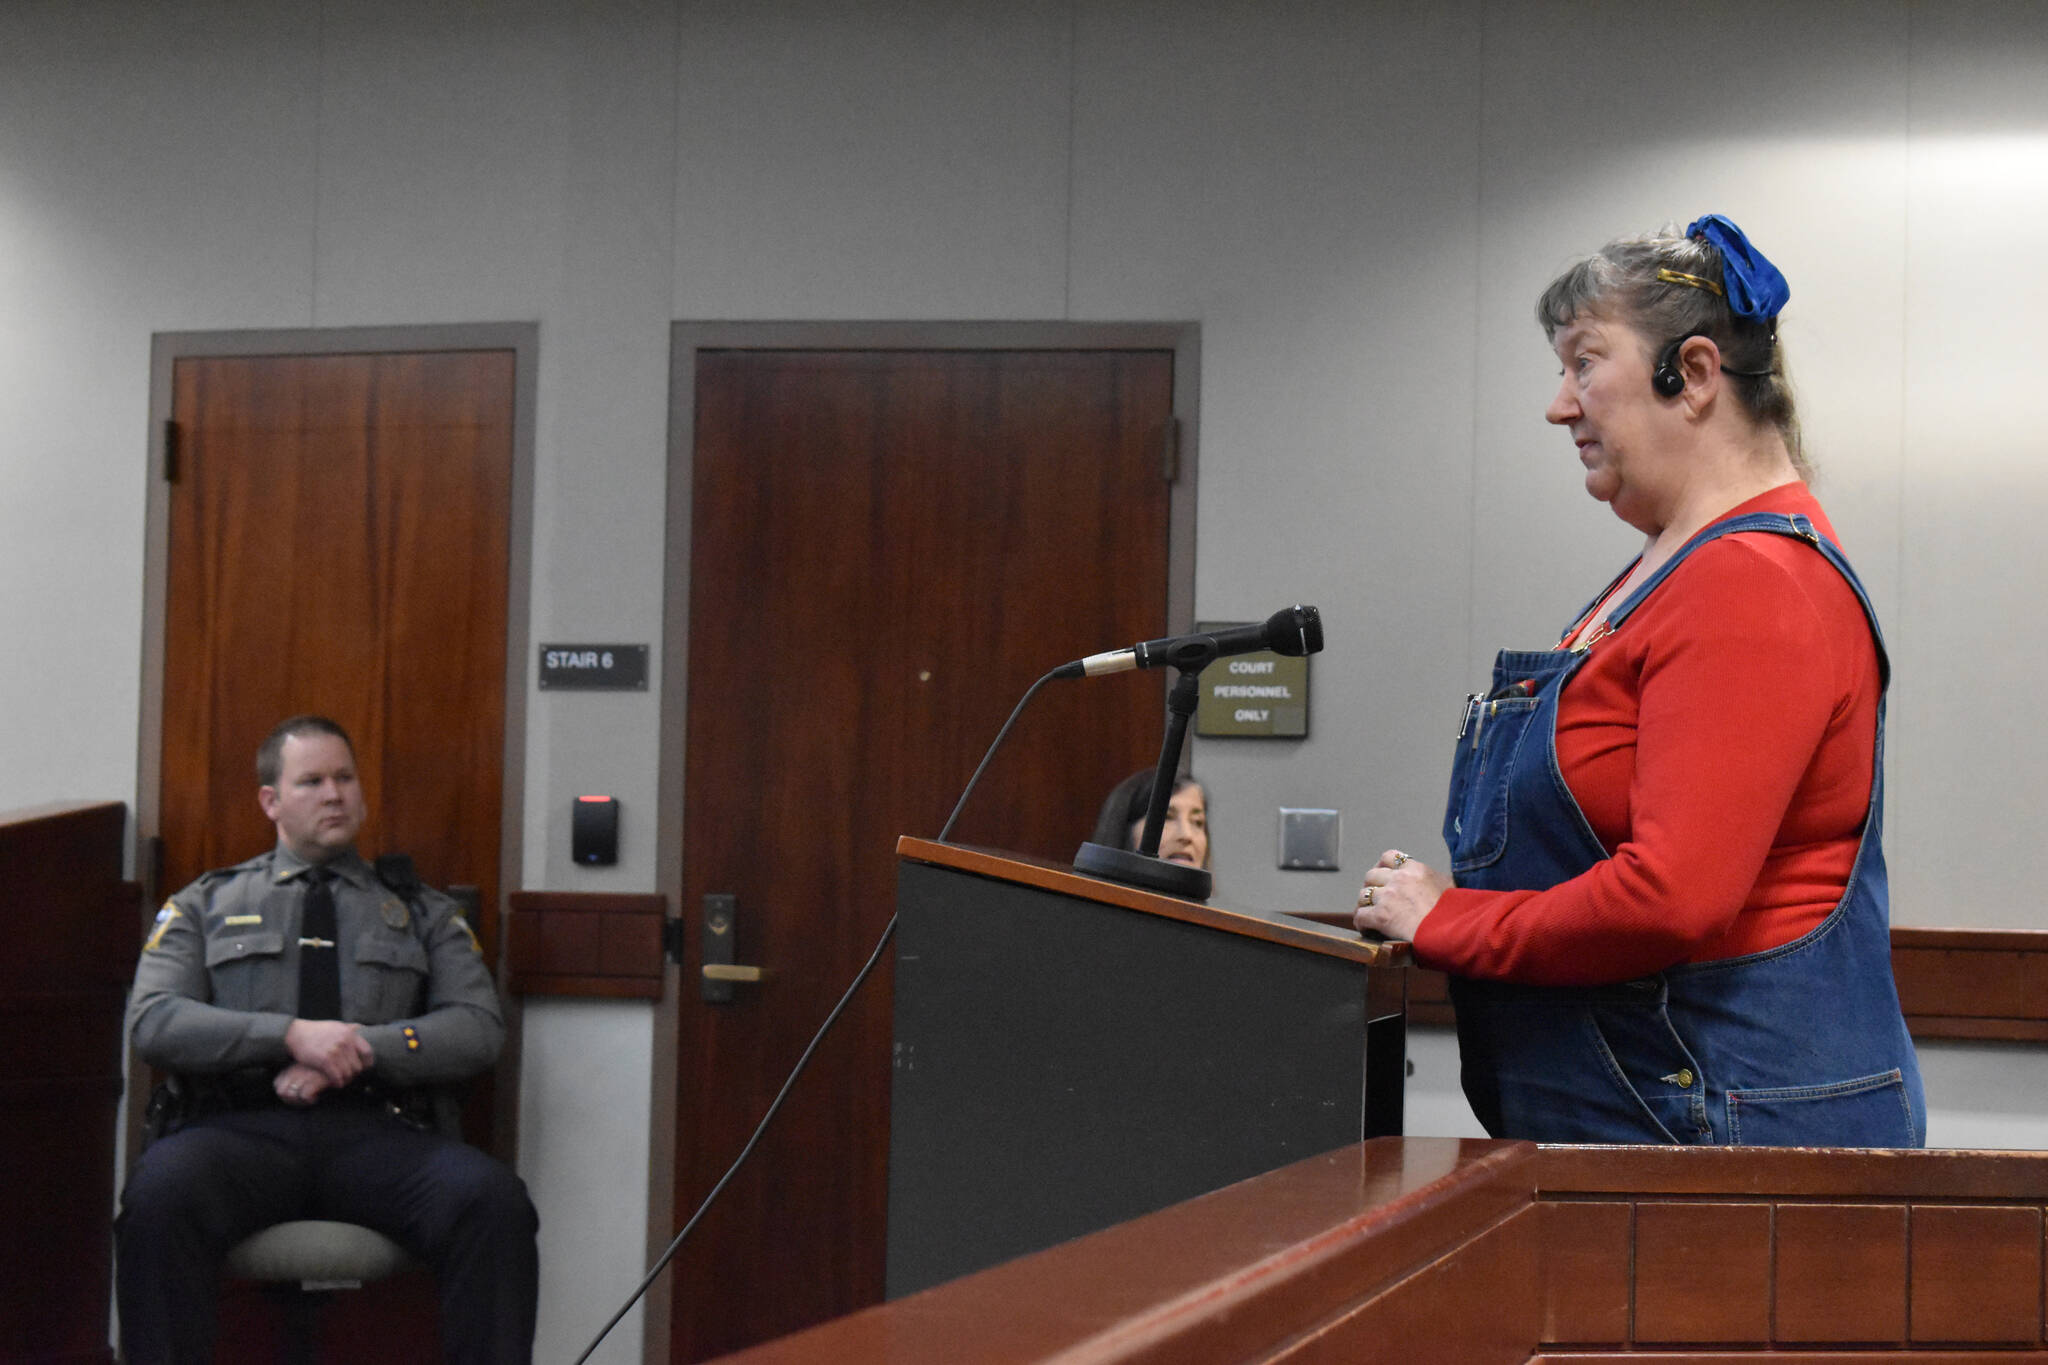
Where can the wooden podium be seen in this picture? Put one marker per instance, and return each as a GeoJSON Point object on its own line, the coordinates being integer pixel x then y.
{"type": "Point", "coordinates": [1070, 1054]}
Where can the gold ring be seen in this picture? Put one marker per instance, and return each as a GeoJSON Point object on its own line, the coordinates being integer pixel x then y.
{"type": "Point", "coordinates": [1399, 858]}
{"type": "Point", "coordinates": [1366, 899]}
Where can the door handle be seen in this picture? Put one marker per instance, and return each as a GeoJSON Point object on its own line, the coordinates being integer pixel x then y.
{"type": "Point", "coordinates": [720, 973]}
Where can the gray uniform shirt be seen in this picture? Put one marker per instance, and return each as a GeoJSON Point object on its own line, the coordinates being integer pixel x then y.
{"type": "Point", "coordinates": [218, 981]}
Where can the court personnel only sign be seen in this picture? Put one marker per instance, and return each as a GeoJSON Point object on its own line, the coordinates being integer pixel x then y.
{"type": "Point", "coordinates": [1253, 696]}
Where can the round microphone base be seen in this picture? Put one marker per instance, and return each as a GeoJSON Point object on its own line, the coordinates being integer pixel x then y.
{"type": "Point", "coordinates": [1152, 874]}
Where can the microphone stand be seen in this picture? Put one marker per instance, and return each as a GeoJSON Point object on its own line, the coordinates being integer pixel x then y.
{"type": "Point", "coordinates": [1146, 868]}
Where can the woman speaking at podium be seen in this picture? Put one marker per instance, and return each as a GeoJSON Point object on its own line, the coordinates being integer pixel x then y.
{"type": "Point", "coordinates": [1666, 918]}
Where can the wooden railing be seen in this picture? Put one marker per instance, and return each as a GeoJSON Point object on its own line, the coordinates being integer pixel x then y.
{"type": "Point", "coordinates": [1974, 984]}
{"type": "Point", "coordinates": [71, 927]}
{"type": "Point", "coordinates": [585, 943]}
{"type": "Point", "coordinates": [1437, 1249]}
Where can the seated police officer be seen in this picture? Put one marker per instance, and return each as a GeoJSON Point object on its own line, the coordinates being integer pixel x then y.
{"type": "Point", "coordinates": [312, 1017]}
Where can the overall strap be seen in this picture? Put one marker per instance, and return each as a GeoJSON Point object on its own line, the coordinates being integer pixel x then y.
{"type": "Point", "coordinates": [1795, 525]}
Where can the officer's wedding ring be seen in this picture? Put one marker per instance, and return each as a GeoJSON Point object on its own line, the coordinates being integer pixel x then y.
{"type": "Point", "coordinates": [1366, 899]}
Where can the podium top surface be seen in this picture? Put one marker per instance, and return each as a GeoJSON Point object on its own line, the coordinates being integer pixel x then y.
{"type": "Point", "coordinates": [1049, 876]}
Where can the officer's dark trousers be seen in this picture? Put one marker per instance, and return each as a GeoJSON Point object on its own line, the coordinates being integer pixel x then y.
{"type": "Point", "coordinates": [196, 1193]}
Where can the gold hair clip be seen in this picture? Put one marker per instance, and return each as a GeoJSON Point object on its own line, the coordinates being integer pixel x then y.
{"type": "Point", "coordinates": [1680, 277]}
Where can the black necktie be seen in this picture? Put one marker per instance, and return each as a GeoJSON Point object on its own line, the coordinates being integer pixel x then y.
{"type": "Point", "coordinates": [319, 966]}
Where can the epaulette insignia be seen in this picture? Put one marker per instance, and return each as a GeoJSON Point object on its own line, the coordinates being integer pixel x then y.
{"type": "Point", "coordinates": [163, 922]}
{"type": "Point", "coordinates": [463, 925]}
{"type": "Point", "coordinates": [395, 913]}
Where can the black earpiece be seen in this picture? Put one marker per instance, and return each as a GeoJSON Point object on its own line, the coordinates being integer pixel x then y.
{"type": "Point", "coordinates": [1666, 379]}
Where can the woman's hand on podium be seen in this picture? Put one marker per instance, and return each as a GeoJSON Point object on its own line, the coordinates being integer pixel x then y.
{"type": "Point", "coordinates": [1398, 893]}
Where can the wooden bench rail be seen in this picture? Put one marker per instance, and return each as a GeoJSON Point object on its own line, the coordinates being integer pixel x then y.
{"type": "Point", "coordinates": [1225, 1277]}
{"type": "Point", "coordinates": [603, 944]}
{"type": "Point", "coordinates": [72, 926]}
{"type": "Point", "coordinates": [1979, 985]}
{"type": "Point", "coordinates": [1436, 1249]}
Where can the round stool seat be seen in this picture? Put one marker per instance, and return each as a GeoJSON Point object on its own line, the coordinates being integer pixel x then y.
{"type": "Point", "coordinates": [314, 1252]}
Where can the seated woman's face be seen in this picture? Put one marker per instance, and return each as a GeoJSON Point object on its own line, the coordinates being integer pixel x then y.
{"type": "Point", "coordinates": [1185, 837]}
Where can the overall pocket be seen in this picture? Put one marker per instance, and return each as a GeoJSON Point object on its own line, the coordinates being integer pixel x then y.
{"type": "Point", "coordinates": [1476, 818]}
{"type": "Point", "coordinates": [1648, 1061]}
{"type": "Point", "coordinates": [1868, 1111]}
{"type": "Point", "coordinates": [1575, 1064]}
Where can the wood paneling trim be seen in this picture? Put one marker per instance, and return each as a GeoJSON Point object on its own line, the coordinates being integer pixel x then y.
{"type": "Point", "coordinates": [1976, 1273]}
{"type": "Point", "coordinates": [1789, 1173]}
{"type": "Point", "coordinates": [72, 927]}
{"type": "Point", "coordinates": [1837, 1248]}
{"type": "Point", "coordinates": [1703, 1272]}
{"type": "Point", "coordinates": [585, 943]}
{"type": "Point", "coordinates": [1429, 999]}
{"type": "Point", "coordinates": [1588, 1252]}
{"type": "Point", "coordinates": [1967, 984]}
{"type": "Point", "coordinates": [1973, 983]}
{"type": "Point", "coordinates": [1840, 1273]}
{"type": "Point", "coordinates": [1823, 1357]}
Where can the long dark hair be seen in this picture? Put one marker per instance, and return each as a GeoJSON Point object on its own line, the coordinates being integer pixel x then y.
{"type": "Point", "coordinates": [1127, 804]}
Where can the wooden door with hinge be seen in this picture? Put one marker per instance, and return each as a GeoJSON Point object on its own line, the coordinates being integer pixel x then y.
{"type": "Point", "coordinates": [887, 548]}
{"type": "Point", "coordinates": [338, 543]}
{"type": "Point", "coordinates": [337, 540]}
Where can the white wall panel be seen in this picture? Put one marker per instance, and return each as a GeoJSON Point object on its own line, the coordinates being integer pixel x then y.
{"type": "Point", "coordinates": [1970, 764]}
{"type": "Point", "coordinates": [1599, 125]}
{"type": "Point", "coordinates": [583, 1156]}
{"type": "Point", "coordinates": [1300, 179]}
{"type": "Point", "coordinates": [603, 444]}
{"type": "Point", "coordinates": [443, 160]}
{"type": "Point", "coordinates": [902, 161]}
{"type": "Point", "coordinates": [1991, 1095]}
{"type": "Point", "coordinates": [153, 173]}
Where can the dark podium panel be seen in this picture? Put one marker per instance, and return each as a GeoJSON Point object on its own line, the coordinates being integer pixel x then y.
{"type": "Point", "coordinates": [1071, 1054]}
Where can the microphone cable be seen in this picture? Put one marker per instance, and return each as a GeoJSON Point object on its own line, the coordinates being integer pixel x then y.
{"type": "Point", "coordinates": [859, 979]}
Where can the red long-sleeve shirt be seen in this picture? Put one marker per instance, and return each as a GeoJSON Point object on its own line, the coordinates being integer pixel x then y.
{"type": "Point", "coordinates": [1720, 743]}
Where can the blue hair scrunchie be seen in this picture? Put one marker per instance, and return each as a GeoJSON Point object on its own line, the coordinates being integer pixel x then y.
{"type": "Point", "coordinates": [1756, 288]}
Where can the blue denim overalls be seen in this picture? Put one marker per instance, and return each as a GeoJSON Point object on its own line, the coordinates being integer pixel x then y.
{"type": "Point", "coordinates": [1799, 1045]}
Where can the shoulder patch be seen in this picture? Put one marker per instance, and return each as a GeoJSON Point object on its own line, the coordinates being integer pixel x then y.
{"type": "Point", "coordinates": [164, 917]}
{"type": "Point", "coordinates": [463, 925]}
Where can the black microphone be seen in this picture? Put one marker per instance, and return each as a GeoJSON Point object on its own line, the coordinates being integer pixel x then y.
{"type": "Point", "coordinates": [1295, 631]}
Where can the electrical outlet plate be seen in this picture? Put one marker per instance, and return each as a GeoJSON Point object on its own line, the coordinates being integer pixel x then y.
{"type": "Point", "coordinates": [1309, 839]}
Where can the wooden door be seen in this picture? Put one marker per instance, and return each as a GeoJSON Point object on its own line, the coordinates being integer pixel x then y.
{"type": "Point", "coordinates": [887, 548]}
{"type": "Point", "coordinates": [339, 530]}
